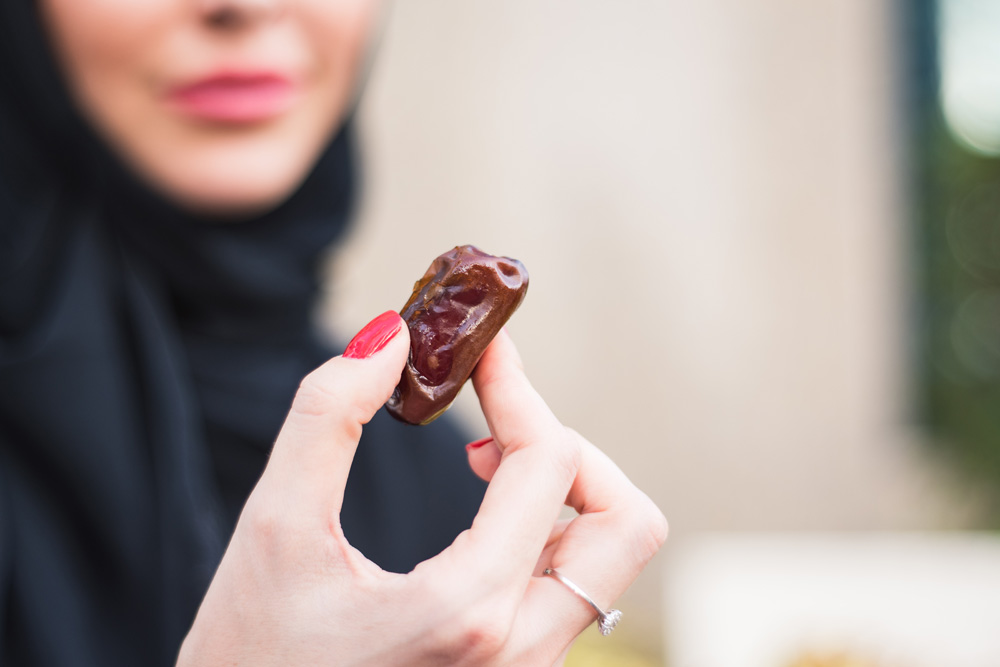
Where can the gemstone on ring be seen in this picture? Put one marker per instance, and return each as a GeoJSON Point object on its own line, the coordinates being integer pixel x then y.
{"type": "Point", "coordinates": [607, 622]}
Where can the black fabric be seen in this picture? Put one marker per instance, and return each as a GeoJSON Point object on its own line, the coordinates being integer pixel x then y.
{"type": "Point", "coordinates": [147, 360]}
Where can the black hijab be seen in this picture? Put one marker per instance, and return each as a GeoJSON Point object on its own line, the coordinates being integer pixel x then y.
{"type": "Point", "coordinates": [147, 359]}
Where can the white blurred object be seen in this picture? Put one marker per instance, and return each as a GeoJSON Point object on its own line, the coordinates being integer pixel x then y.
{"type": "Point", "coordinates": [898, 600]}
{"type": "Point", "coordinates": [970, 71]}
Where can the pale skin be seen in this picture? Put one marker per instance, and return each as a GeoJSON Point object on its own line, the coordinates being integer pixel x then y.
{"type": "Point", "coordinates": [123, 59]}
{"type": "Point", "coordinates": [290, 588]}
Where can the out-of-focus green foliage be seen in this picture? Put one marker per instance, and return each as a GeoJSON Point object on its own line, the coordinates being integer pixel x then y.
{"type": "Point", "coordinates": [958, 207]}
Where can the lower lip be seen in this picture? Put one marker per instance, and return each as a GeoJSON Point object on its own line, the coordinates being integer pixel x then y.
{"type": "Point", "coordinates": [235, 100]}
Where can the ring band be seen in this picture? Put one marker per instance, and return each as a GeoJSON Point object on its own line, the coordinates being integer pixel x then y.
{"type": "Point", "coordinates": [606, 620]}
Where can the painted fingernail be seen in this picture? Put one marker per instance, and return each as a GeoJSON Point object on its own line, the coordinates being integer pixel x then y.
{"type": "Point", "coordinates": [478, 443]}
{"type": "Point", "coordinates": [374, 336]}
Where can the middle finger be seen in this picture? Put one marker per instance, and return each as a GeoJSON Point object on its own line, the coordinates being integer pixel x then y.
{"type": "Point", "coordinates": [539, 462]}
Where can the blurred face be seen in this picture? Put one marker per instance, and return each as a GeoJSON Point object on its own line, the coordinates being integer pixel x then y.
{"type": "Point", "coordinates": [222, 105]}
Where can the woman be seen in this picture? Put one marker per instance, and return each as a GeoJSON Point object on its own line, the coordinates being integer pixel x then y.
{"type": "Point", "coordinates": [170, 171]}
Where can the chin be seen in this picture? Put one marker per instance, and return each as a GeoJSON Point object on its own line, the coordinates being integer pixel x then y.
{"type": "Point", "coordinates": [232, 186]}
{"type": "Point", "coordinates": [230, 200]}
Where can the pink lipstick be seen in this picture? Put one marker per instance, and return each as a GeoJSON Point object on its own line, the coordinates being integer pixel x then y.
{"type": "Point", "coordinates": [235, 97]}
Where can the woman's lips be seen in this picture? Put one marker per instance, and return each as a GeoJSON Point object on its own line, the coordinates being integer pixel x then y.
{"type": "Point", "coordinates": [235, 98]}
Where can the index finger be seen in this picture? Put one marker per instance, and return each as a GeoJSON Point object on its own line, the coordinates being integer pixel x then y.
{"type": "Point", "coordinates": [539, 463]}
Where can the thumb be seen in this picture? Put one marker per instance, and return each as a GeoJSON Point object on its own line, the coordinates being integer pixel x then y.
{"type": "Point", "coordinates": [314, 450]}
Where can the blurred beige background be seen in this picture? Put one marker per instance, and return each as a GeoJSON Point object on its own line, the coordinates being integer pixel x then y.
{"type": "Point", "coordinates": [709, 199]}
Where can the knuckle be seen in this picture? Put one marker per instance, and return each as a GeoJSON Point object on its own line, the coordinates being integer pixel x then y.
{"type": "Point", "coordinates": [319, 397]}
{"type": "Point", "coordinates": [463, 633]}
{"type": "Point", "coordinates": [476, 637]}
{"type": "Point", "coordinates": [660, 527]}
{"type": "Point", "coordinates": [270, 531]}
{"type": "Point", "coordinates": [567, 457]}
{"type": "Point", "coordinates": [651, 529]}
{"type": "Point", "coordinates": [553, 449]}
{"type": "Point", "coordinates": [314, 395]}
{"type": "Point", "coordinates": [266, 526]}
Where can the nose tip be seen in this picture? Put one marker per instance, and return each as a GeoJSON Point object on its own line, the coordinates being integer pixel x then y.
{"type": "Point", "coordinates": [236, 14]}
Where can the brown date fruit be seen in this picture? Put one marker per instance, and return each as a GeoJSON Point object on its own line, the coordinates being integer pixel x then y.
{"type": "Point", "coordinates": [455, 310]}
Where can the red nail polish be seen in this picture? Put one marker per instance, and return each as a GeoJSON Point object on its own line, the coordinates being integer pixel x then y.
{"type": "Point", "coordinates": [374, 336]}
{"type": "Point", "coordinates": [478, 443]}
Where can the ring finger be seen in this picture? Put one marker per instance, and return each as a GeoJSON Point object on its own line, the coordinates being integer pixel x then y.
{"type": "Point", "coordinates": [602, 550]}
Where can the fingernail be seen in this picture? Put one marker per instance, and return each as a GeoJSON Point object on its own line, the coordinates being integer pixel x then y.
{"type": "Point", "coordinates": [374, 336]}
{"type": "Point", "coordinates": [478, 443]}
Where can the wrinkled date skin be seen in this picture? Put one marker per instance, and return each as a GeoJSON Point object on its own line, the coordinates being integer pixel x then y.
{"type": "Point", "coordinates": [455, 310]}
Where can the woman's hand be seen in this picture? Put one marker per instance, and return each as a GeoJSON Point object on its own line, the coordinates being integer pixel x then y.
{"type": "Point", "coordinates": [292, 591]}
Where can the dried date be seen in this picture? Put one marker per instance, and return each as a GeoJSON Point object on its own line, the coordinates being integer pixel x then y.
{"type": "Point", "coordinates": [457, 307]}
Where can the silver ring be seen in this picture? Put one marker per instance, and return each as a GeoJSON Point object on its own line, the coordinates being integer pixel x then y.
{"type": "Point", "coordinates": [606, 620]}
